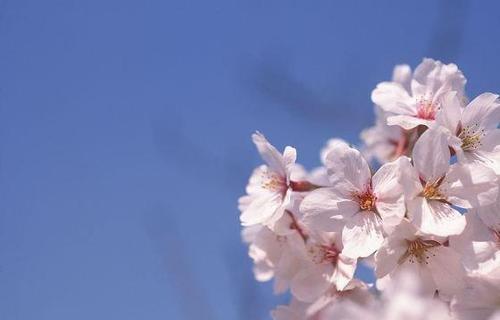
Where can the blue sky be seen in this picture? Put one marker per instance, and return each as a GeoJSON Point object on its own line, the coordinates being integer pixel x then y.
{"type": "Point", "coordinates": [125, 135]}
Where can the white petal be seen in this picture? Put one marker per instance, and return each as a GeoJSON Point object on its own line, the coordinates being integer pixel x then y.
{"type": "Point", "coordinates": [435, 217]}
{"type": "Point", "coordinates": [471, 186]}
{"type": "Point", "coordinates": [344, 271]}
{"type": "Point", "coordinates": [261, 209]}
{"type": "Point", "coordinates": [330, 145]}
{"type": "Point", "coordinates": [346, 165]}
{"type": "Point", "coordinates": [407, 122]}
{"type": "Point", "coordinates": [433, 77]}
{"type": "Point", "coordinates": [326, 209]}
{"type": "Point", "coordinates": [362, 235]}
{"type": "Point", "coordinates": [386, 258]}
{"type": "Point", "coordinates": [431, 155]}
{"type": "Point", "coordinates": [309, 284]}
{"type": "Point", "coordinates": [447, 271]}
{"type": "Point", "coordinates": [269, 154]}
{"type": "Point", "coordinates": [450, 113]}
{"type": "Point", "coordinates": [402, 75]}
{"type": "Point", "coordinates": [289, 158]}
{"type": "Point", "coordinates": [392, 97]}
{"type": "Point", "coordinates": [389, 191]}
{"type": "Point", "coordinates": [423, 273]}
{"type": "Point", "coordinates": [482, 111]}
{"type": "Point", "coordinates": [490, 215]}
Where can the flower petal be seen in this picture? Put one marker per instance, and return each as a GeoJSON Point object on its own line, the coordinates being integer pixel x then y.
{"type": "Point", "coordinates": [347, 166]}
{"type": "Point", "coordinates": [392, 97]}
{"type": "Point", "coordinates": [269, 154]}
{"type": "Point", "coordinates": [483, 111]}
{"type": "Point", "coordinates": [447, 271]}
{"type": "Point", "coordinates": [321, 209]}
{"type": "Point", "coordinates": [471, 186]}
{"type": "Point", "coordinates": [402, 75]}
{"type": "Point", "coordinates": [308, 284]}
{"type": "Point", "coordinates": [389, 191]}
{"type": "Point", "coordinates": [407, 122]}
{"type": "Point", "coordinates": [450, 113]}
{"type": "Point", "coordinates": [261, 209]}
{"type": "Point", "coordinates": [435, 217]}
{"type": "Point", "coordinates": [387, 257]}
{"type": "Point", "coordinates": [344, 272]}
{"type": "Point", "coordinates": [431, 155]}
{"type": "Point", "coordinates": [362, 235]}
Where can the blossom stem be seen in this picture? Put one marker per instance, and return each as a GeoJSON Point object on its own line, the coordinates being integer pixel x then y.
{"type": "Point", "coordinates": [295, 226]}
{"type": "Point", "coordinates": [302, 186]}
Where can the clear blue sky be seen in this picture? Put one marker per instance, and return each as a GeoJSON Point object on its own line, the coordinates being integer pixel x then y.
{"type": "Point", "coordinates": [125, 135]}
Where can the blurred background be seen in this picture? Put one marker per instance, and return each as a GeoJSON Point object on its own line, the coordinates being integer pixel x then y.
{"type": "Point", "coordinates": [125, 135]}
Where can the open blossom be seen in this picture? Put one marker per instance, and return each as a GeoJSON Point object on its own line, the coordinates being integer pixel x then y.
{"type": "Point", "coordinates": [358, 203]}
{"type": "Point", "coordinates": [433, 187]}
{"type": "Point", "coordinates": [273, 255]}
{"type": "Point", "coordinates": [386, 143]}
{"type": "Point", "coordinates": [323, 266]}
{"type": "Point", "coordinates": [383, 142]}
{"type": "Point", "coordinates": [407, 250]}
{"type": "Point", "coordinates": [473, 129]}
{"type": "Point", "coordinates": [419, 103]}
{"type": "Point", "coordinates": [478, 245]}
{"type": "Point", "coordinates": [269, 190]}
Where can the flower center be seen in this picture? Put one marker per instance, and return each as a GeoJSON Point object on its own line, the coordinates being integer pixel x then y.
{"type": "Point", "coordinates": [471, 137]}
{"type": "Point", "coordinates": [366, 200]}
{"type": "Point", "coordinates": [274, 182]}
{"type": "Point", "coordinates": [320, 253]}
{"type": "Point", "coordinates": [418, 251]}
{"type": "Point", "coordinates": [431, 190]}
{"type": "Point", "coordinates": [426, 109]}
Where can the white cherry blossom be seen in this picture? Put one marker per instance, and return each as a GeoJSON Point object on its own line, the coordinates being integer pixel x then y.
{"type": "Point", "coordinates": [273, 255]}
{"type": "Point", "coordinates": [419, 103]}
{"type": "Point", "coordinates": [407, 250]}
{"type": "Point", "coordinates": [269, 190]}
{"type": "Point", "coordinates": [383, 142]}
{"type": "Point", "coordinates": [323, 266]}
{"type": "Point", "coordinates": [433, 187]}
{"type": "Point", "coordinates": [479, 243]}
{"type": "Point", "coordinates": [358, 203]}
{"type": "Point", "coordinates": [473, 131]}
{"type": "Point", "coordinates": [386, 143]}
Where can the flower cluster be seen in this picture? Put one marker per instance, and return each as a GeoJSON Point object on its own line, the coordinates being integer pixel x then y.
{"type": "Point", "coordinates": [427, 221]}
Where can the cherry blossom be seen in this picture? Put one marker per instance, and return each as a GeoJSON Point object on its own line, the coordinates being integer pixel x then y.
{"type": "Point", "coordinates": [433, 187]}
{"type": "Point", "coordinates": [383, 142]}
{"type": "Point", "coordinates": [386, 143]}
{"type": "Point", "coordinates": [419, 103]}
{"type": "Point", "coordinates": [273, 255]}
{"type": "Point", "coordinates": [323, 266]}
{"type": "Point", "coordinates": [473, 129]}
{"type": "Point", "coordinates": [269, 190]}
{"type": "Point", "coordinates": [358, 203]}
{"type": "Point", "coordinates": [407, 250]}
